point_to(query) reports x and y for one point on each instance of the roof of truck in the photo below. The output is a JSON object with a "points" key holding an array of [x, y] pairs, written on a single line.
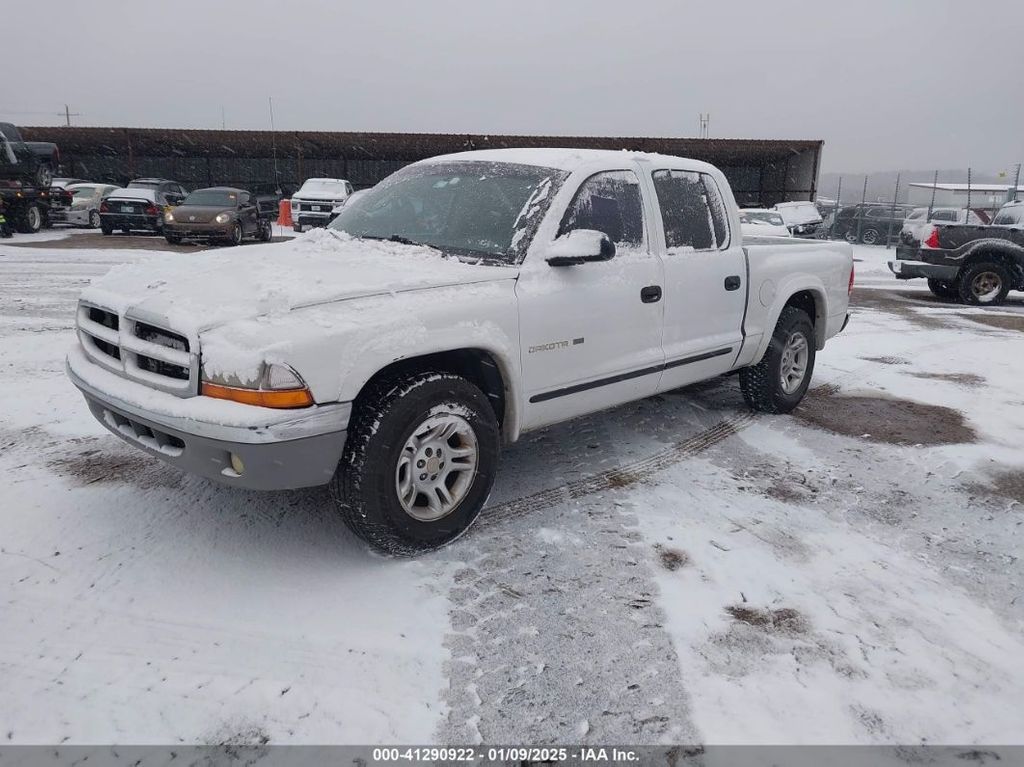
{"points": [[561, 159]]}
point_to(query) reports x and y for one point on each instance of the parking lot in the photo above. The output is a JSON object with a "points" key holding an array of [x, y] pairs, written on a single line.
{"points": [[674, 570]]}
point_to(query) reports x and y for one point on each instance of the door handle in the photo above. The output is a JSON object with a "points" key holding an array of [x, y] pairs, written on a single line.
{"points": [[732, 282], [651, 294]]}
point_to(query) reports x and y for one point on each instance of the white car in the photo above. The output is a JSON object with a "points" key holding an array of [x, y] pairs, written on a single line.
{"points": [[85, 204], [316, 198], [802, 218], [757, 222], [466, 300]]}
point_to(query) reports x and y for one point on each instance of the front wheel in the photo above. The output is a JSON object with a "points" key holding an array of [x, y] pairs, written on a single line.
{"points": [[265, 232], [985, 283], [172, 239], [779, 381], [419, 462], [235, 237], [94, 219], [944, 288], [44, 176], [870, 236]]}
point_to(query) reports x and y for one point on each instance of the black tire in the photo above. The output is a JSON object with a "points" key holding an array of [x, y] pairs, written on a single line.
{"points": [[30, 220], [172, 239], [870, 236], [944, 289], [976, 277], [384, 418], [762, 384], [297, 228], [265, 232], [94, 219], [106, 229], [235, 238], [126, 229], [43, 176]]}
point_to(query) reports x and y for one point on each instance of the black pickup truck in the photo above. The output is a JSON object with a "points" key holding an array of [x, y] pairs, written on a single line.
{"points": [[978, 264], [30, 163]]}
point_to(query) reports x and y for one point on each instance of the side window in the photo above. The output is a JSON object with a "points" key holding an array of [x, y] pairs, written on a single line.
{"points": [[609, 202], [944, 215], [243, 198], [692, 210]]}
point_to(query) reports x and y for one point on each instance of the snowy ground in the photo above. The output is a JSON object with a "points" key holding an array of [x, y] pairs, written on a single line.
{"points": [[675, 570]]}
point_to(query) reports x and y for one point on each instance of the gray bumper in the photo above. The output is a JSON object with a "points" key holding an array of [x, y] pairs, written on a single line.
{"points": [[908, 270], [302, 452]]}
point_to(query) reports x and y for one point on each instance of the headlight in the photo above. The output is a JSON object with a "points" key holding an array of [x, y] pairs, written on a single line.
{"points": [[223, 218], [168, 217], [295, 203], [279, 387]]}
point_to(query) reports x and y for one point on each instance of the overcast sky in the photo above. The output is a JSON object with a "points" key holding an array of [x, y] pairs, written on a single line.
{"points": [[886, 83]]}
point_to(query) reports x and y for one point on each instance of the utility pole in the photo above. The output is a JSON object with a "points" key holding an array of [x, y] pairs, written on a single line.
{"points": [[68, 114], [704, 124], [273, 144], [223, 122]]}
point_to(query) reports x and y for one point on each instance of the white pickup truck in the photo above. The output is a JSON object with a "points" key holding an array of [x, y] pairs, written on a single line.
{"points": [[466, 300]]}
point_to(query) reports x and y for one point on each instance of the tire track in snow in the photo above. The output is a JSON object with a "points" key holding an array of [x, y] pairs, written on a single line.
{"points": [[621, 475]]}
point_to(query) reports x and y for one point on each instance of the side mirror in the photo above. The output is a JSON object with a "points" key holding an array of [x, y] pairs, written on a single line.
{"points": [[579, 247]]}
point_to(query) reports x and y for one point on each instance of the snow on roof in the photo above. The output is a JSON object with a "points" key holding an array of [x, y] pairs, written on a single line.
{"points": [[958, 187], [559, 158], [135, 193]]}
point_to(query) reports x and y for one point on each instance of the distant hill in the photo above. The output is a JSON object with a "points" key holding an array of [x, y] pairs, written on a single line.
{"points": [[882, 183]]}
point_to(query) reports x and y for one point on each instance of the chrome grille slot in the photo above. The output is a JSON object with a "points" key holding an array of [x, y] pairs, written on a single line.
{"points": [[156, 335], [139, 349]]}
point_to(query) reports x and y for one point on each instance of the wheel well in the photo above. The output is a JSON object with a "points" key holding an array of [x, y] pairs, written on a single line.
{"points": [[809, 303], [475, 365], [1012, 264]]}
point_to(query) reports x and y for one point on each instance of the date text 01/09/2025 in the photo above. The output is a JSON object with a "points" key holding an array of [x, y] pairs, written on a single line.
{"points": [[595, 754]]}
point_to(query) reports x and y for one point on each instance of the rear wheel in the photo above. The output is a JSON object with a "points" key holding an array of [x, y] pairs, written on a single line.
{"points": [[419, 461], [94, 219], [779, 381], [106, 228], [944, 288], [985, 283], [265, 232]]}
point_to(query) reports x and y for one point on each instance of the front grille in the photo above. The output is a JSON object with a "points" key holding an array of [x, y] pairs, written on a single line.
{"points": [[140, 349]]}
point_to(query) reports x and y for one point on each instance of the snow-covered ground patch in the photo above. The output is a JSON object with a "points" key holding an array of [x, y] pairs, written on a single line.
{"points": [[672, 570]]}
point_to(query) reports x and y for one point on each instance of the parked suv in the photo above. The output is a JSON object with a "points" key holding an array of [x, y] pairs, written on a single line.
{"points": [[313, 203], [870, 223], [171, 191], [802, 218]]}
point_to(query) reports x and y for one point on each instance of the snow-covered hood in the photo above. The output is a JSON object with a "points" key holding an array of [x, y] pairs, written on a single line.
{"points": [[196, 292], [313, 196]]}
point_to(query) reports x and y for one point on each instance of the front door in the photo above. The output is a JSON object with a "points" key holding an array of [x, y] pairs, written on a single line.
{"points": [[705, 278], [591, 333]]}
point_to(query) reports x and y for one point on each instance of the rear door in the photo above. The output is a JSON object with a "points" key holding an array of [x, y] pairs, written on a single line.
{"points": [[590, 334], [705, 277]]}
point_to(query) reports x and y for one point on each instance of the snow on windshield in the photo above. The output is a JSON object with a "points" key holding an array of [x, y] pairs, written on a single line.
{"points": [[329, 185], [479, 209]]}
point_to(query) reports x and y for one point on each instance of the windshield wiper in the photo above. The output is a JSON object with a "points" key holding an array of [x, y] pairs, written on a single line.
{"points": [[400, 239]]}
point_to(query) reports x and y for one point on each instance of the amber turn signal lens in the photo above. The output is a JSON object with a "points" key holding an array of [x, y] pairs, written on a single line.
{"points": [[280, 398]]}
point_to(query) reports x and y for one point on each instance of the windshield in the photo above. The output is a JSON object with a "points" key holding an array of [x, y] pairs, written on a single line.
{"points": [[482, 209], [761, 217], [212, 198], [327, 185], [83, 191], [1008, 217], [799, 214]]}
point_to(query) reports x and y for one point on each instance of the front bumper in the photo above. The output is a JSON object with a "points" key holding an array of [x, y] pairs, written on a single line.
{"points": [[909, 270], [208, 230], [280, 450], [305, 218]]}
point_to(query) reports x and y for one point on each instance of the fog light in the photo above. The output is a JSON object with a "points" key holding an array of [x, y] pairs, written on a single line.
{"points": [[237, 465]]}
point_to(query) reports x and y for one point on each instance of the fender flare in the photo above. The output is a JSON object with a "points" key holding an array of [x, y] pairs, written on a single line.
{"points": [[797, 284]]}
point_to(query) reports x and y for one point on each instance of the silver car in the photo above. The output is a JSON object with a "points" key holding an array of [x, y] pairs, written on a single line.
{"points": [[85, 204]]}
